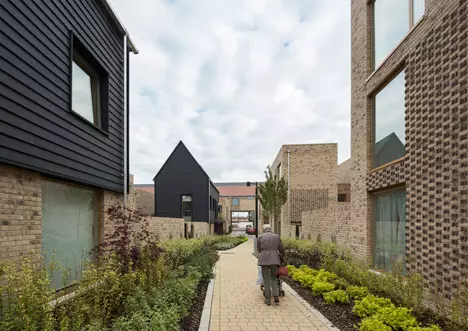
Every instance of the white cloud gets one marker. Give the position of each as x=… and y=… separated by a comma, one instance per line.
x=236, y=79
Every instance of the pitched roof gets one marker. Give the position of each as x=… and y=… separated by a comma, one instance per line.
x=144, y=187
x=235, y=190
x=179, y=146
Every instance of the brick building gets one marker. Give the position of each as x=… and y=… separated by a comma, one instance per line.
x=63, y=129
x=312, y=174
x=409, y=137
x=236, y=197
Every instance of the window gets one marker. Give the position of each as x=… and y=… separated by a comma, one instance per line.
x=278, y=171
x=187, y=207
x=70, y=228
x=389, y=122
x=85, y=89
x=235, y=201
x=220, y=208
x=211, y=203
x=250, y=198
x=341, y=197
x=389, y=228
x=89, y=86
x=392, y=21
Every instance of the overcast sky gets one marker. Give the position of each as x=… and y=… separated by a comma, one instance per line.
x=235, y=80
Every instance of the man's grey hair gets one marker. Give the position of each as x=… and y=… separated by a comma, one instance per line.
x=266, y=227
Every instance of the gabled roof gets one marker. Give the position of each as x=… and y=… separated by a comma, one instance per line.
x=179, y=146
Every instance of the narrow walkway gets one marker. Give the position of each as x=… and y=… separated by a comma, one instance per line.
x=238, y=303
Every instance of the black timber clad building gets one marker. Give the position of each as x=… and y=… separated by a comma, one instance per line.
x=184, y=190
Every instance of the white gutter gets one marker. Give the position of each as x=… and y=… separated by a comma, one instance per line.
x=120, y=25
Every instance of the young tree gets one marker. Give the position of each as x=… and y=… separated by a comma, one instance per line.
x=272, y=195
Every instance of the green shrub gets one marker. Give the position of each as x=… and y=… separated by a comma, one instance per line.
x=24, y=292
x=322, y=287
x=397, y=318
x=223, y=246
x=336, y=296
x=340, y=283
x=373, y=324
x=357, y=292
x=370, y=305
x=204, y=260
x=325, y=276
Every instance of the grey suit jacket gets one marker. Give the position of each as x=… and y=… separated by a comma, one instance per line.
x=269, y=247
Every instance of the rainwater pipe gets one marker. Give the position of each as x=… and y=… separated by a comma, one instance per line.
x=125, y=99
x=289, y=185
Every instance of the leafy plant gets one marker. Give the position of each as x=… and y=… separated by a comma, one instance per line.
x=370, y=305
x=336, y=296
x=373, y=324
x=420, y=328
x=320, y=287
x=357, y=292
x=223, y=246
x=340, y=283
x=272, y=195
x=397, y=318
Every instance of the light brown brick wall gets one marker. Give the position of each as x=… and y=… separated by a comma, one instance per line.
x=166, y=228
x=331, y=224
x=144, y=202
x=20, y=213
x=312, y=180
x=435, y=167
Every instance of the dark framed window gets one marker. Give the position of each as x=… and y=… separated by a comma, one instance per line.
x=392, y=21
x=89, y=90
x=187, y=207
x=389, y=122
x=341, y=197
x=70, y=228
x=220, y=208
x=389, y=228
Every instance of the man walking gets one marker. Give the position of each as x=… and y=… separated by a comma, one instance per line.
x=269, y=247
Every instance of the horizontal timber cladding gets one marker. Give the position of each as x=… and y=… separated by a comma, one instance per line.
x=37, y=129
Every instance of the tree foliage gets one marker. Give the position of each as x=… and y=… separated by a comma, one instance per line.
x=272, y=195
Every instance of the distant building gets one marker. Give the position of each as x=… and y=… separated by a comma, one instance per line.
x=183, y=189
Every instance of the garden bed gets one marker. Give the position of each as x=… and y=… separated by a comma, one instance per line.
x=340, y=315
x=192, y=321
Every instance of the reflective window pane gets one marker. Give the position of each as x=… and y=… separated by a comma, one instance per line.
x=389, y=129
x=418, y=10
x=69, y=228
x=391, y=24
x=82, y=100
x=389, y=229
x=187, y=207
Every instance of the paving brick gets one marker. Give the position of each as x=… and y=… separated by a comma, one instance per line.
x=240, y=303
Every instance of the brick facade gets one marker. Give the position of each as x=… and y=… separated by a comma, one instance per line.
x=167, y=228
x=312, y=181
x=434, y=171
x=20, y=213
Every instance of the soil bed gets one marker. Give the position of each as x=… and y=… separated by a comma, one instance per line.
x=339, y=314
x=192, y=321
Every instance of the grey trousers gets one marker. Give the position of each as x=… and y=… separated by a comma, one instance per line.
x=269, y=281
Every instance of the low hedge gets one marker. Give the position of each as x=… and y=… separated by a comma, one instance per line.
x=377, y=313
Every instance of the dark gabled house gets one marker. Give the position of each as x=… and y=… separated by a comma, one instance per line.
x=184, y=190
x=63, y=126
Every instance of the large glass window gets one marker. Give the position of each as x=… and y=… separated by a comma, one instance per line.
x=85, y=90
x=392, y=21
x=389, y=228
x=187, y=207
x=70, y=229
x=389, y=122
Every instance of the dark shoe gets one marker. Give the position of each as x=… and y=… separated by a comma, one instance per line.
x=276, y=300
x=268, y=303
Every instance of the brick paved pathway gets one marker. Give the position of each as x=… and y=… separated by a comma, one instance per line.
x=238, y=302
